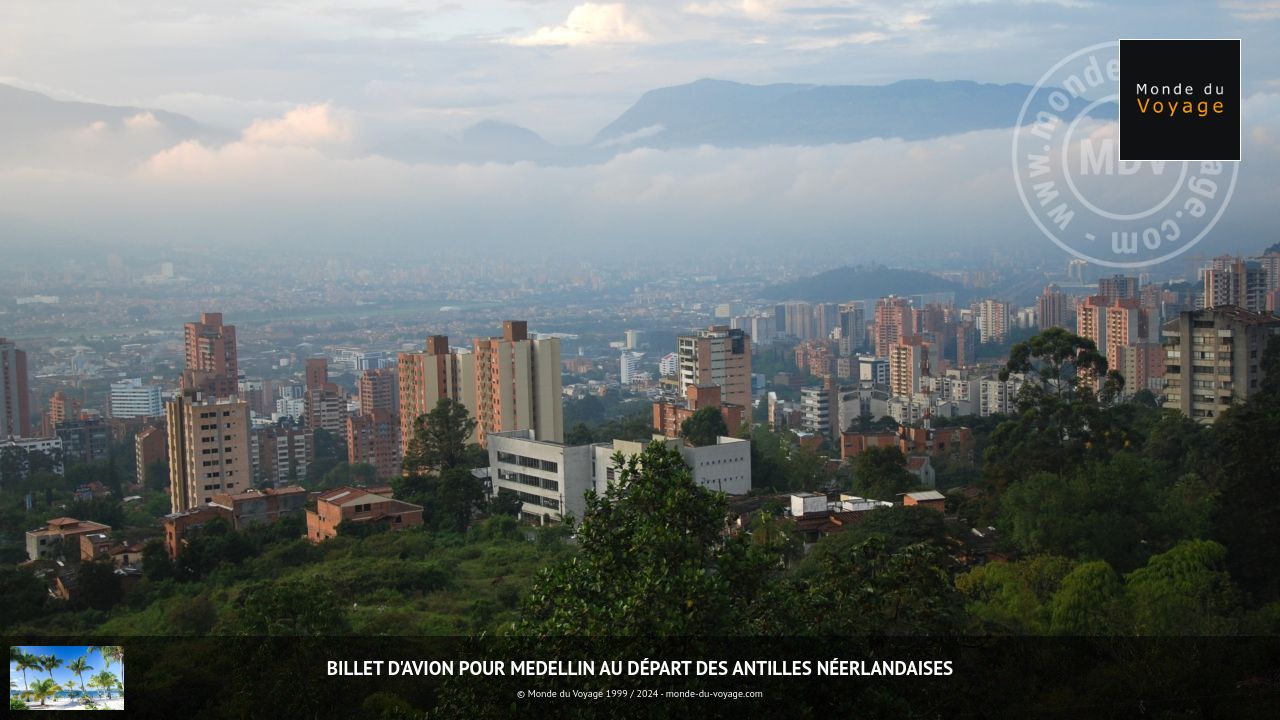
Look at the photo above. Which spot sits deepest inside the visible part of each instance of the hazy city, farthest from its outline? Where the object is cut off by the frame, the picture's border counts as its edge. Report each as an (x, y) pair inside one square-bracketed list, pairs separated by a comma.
[(566, 329)]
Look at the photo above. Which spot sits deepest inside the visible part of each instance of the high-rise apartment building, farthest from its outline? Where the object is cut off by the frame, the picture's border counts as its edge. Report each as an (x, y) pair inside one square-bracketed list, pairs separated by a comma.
[(209, 448), (212, 365), (825, 320), (717, 356), (427, 376), (1213, 358), (1091, 320), (1242, 283), (518, 384), (510, 382), (994, 326), (966, 344), (1118, 287), (908, 363), (131, 399), (629, 367), (15, 397), (373, 438), (1052, 308), (853, 325), (325, 407), (893, 321), (280, 455), (61, 408), (795, 319), (379, 390)]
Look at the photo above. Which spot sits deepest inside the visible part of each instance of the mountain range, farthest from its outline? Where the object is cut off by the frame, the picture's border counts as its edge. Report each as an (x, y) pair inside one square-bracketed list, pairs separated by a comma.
[(706, 112)]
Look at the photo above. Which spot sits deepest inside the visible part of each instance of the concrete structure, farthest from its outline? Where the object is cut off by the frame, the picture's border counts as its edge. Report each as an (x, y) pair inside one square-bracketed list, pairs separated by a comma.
[(893, 320), (931, 499), (717, 356), (180, 526), (325, 407), (550, 478), (1242, 283), (49, 542), (629, 367), (50, 447), (510, 382), (131, 399), (1118, 287), (994, 325), (280, 454), (149, 446), (373, 438), (518, 384), (922, 468), (724, 467), (669, 414), (255, 507), (379, 390), (209, 449), (344, 505), (61, 408), (1212, 359), (909, 362), (212, 362), (15, 396), (84, 440), (1052, 308), (425, 377)]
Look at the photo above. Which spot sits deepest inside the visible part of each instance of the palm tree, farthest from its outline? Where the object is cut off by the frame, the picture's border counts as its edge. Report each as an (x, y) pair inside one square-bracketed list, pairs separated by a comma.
[(43, 689), (109, 653), (79, 666), (105, 680), (25, 662), (50, 663)]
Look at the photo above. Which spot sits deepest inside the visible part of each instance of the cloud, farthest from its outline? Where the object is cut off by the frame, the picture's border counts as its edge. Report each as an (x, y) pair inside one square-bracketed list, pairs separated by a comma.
[(142, 121), (589, 24), (307, 126)]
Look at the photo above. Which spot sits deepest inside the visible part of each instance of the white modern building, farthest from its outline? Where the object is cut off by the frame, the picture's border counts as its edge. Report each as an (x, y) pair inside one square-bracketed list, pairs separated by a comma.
[(629, 366), (131, 398), (724, 467), (551, 478)]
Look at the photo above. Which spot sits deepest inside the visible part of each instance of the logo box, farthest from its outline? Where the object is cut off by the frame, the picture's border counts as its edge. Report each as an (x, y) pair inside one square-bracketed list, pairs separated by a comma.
[(1180, 100)]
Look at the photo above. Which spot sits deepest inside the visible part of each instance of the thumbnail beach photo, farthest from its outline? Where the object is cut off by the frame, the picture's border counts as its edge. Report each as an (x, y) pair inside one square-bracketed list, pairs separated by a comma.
[(66, 677)]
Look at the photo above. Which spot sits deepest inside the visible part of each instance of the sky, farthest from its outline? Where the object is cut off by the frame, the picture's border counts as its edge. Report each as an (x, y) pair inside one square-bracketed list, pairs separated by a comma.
[(306, 90), (64, 677)]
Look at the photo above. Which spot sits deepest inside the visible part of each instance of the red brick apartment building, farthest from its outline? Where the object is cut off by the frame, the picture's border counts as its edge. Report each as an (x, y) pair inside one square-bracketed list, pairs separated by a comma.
[(358, 505)]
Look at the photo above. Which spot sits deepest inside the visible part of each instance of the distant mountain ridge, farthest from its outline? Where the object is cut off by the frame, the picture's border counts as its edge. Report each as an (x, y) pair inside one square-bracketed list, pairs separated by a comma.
[(719, 113), (728, 114), (858, 283)]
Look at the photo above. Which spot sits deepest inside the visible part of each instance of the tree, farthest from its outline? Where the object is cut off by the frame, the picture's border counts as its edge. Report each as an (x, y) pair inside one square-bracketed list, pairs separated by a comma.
[(439, 438), (1087, 601), (105, 680), (1246, 514), (22, 594), (704, 426), (506, 502), (99, 585), (156, 563), (1013, 597), (43, 690), (49, 663), (24, 662), (289, 608), (79, 666), (881, 473), (652, 560), (1185, 591)]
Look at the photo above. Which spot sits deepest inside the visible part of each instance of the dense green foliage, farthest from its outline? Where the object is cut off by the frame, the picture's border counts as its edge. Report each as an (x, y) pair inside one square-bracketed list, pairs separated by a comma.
[(704, 426)]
